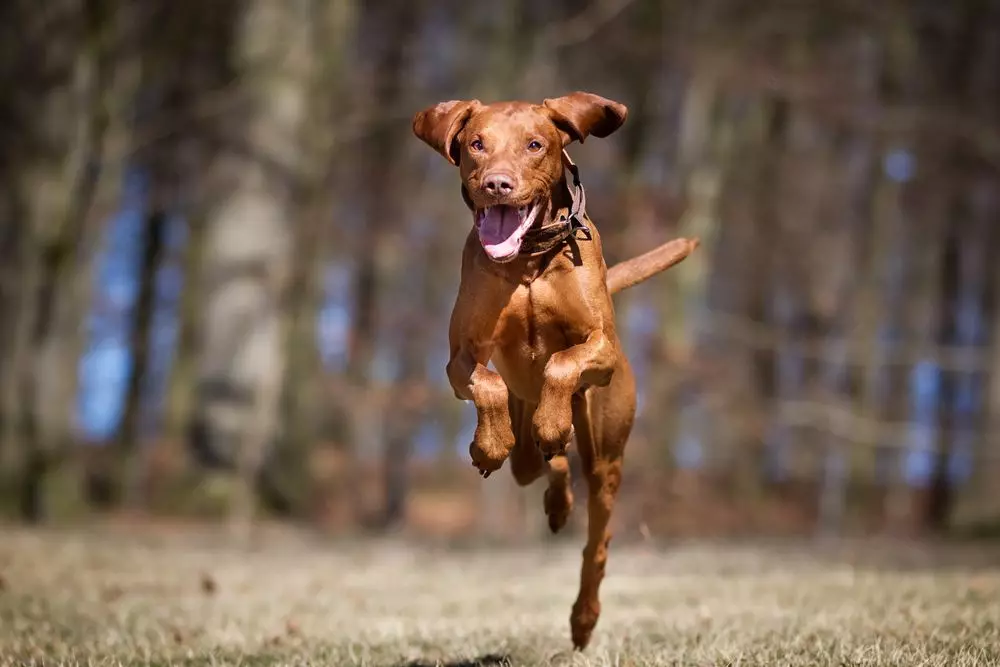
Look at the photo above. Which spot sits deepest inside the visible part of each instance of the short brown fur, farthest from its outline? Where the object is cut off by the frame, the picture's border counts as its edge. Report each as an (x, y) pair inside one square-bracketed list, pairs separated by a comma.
[(545, 321)]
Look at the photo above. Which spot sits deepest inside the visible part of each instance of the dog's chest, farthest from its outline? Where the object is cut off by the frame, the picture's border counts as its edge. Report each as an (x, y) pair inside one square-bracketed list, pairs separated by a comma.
[(526, 335)]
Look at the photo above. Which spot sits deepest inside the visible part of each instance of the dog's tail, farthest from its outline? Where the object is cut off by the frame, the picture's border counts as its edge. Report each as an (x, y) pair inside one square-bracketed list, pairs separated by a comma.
[(634, 271)]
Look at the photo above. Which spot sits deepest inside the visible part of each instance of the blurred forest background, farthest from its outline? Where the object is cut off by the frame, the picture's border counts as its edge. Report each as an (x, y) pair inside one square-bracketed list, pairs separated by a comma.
[(227, 266)]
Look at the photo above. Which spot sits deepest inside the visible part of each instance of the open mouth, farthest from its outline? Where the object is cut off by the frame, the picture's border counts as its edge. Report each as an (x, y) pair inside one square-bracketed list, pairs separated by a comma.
[(502, 228)]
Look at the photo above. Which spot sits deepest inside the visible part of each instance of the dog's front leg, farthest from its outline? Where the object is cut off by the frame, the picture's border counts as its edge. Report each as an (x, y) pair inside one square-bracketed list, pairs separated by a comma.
[(591, 363), (473, 381)]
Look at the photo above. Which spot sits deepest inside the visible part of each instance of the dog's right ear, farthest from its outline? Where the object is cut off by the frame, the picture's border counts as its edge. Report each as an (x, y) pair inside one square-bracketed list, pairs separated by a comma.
[(439, 125)]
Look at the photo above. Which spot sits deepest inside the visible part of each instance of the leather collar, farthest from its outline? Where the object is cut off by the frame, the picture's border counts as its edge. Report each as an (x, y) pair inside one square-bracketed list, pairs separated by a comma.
[(540, 240)]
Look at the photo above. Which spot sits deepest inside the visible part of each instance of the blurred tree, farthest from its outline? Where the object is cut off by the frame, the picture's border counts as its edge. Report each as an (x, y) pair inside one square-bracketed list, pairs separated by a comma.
[(964, 51), (331, 37), (255, 181), (53, 171)]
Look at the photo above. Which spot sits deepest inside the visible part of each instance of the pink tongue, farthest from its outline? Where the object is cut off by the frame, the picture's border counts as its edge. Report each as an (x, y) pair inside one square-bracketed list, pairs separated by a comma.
[(498, 232)]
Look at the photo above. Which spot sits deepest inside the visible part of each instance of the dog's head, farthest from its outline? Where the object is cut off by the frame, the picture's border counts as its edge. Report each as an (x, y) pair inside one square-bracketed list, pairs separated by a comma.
[(509, 155)]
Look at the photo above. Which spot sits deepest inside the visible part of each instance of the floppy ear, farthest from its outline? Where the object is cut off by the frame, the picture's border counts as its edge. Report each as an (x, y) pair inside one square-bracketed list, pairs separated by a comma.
[(439, 125), (579, 115)]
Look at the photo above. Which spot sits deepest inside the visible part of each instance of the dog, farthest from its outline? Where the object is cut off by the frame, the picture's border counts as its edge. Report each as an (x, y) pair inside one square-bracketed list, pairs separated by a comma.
[(535, 300)]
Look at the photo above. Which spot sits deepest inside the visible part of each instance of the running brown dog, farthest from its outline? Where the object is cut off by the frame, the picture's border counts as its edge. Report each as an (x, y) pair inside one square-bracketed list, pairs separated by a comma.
[(535, 299)]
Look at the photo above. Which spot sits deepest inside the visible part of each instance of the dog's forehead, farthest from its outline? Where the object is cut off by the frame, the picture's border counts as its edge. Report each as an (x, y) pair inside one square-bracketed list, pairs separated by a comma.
[(506, 116)]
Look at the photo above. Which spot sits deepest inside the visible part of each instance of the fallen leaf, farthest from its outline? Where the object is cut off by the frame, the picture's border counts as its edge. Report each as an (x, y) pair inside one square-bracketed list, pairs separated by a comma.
[(112, 593), (208, 585)]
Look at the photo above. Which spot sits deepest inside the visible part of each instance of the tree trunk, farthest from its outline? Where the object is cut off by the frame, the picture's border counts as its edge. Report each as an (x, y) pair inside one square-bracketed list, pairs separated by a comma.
[(58, 197), (129, 441), (330, 38), (253, 181), (964, 69), (11, 269), (181, 384), (941, 496), (856, 307), (390, 33)]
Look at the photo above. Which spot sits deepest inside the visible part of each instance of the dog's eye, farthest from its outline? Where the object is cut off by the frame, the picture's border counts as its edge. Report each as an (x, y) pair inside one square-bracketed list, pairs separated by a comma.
[(534, 146), (476, 145)]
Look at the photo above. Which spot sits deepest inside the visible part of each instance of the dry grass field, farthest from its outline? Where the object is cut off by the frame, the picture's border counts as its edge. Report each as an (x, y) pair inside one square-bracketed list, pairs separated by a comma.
[(101, 597)]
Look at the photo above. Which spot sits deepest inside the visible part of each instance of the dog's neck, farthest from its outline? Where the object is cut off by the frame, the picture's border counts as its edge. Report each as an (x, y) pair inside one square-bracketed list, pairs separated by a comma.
[(562, 219), (560, 200), (566, 215), (565, 196)]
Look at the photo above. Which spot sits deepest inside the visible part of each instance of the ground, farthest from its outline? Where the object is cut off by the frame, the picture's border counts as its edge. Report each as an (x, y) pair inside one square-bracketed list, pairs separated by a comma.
[(101, 597)]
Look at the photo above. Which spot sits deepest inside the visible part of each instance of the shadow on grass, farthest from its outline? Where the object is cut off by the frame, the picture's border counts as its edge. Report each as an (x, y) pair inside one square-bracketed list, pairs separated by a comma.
[(489, 660)]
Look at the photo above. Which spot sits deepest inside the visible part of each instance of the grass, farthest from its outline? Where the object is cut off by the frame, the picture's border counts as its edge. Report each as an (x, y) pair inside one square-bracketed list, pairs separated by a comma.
[(183, 598)]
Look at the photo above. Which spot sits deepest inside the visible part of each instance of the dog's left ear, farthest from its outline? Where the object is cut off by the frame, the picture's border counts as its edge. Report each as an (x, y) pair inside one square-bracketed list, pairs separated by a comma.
[(579, 115), (439, 125)]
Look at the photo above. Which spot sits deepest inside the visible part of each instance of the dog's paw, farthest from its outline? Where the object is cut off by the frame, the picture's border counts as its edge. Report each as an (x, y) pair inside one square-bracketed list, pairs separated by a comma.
[(487, 461), (493, 440), (582, 621), (486, 465), (558, 503), (552, 439)]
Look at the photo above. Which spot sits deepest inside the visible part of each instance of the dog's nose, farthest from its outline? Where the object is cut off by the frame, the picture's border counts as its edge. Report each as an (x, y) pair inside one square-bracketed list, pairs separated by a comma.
[(498, 184)]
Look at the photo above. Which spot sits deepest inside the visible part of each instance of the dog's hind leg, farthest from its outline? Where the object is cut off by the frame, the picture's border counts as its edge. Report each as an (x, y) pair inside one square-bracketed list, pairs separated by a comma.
[(601, 433), (559, 495), (526, 462)]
